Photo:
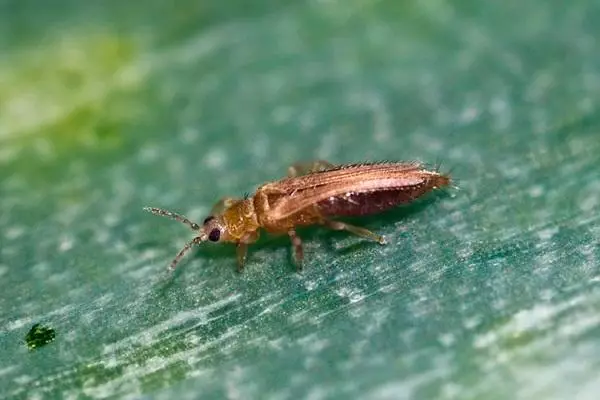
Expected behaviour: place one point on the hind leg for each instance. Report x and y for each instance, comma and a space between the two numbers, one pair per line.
357, 230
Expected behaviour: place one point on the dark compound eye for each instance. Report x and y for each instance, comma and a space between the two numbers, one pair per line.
214, 235
208, 219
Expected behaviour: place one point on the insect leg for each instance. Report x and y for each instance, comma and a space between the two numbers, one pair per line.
304, 168
297, 245
242, 251
183, 251
357, 230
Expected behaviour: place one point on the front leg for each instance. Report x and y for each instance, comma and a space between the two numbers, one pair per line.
242, 252
297, 247
305, 168
195, 241
242, 248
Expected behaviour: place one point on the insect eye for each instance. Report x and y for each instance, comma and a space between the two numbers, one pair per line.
214, 235
208, 219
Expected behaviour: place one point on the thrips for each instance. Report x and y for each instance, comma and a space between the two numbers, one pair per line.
311, 194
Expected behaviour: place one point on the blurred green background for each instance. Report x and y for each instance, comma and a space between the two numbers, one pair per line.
490, 292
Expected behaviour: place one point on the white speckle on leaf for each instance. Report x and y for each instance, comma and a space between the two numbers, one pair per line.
472, 322
451, 390
198, 213
589, 203
23, 379
14, 232
282, 114
66, 243
298, 316
498, 105
189, 135
7, 370
356, 296
541, 83
8, 153
307, 120
469, 114
534, 318
316, 393
548, 233
310, 284
101, 235
41, 268
259, 147
382, 127
149, 336
536, 191
582, 324
447, 339
408, 386
312, 343
148, 154
44, 147
499, 108
215, 158
110, 220
328, 146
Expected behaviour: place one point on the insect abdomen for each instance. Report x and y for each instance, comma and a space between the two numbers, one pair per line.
372, 202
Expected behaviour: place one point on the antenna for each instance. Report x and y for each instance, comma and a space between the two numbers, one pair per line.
165, 213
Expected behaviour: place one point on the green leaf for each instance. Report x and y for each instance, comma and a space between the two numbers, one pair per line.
490, 292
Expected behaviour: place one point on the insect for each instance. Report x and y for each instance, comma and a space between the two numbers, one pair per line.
312, 193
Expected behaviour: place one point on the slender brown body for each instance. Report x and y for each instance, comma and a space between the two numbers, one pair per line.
313, 194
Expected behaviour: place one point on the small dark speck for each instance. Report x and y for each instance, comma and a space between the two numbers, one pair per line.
38, 336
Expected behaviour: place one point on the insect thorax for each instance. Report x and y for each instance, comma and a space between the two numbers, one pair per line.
240, 218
